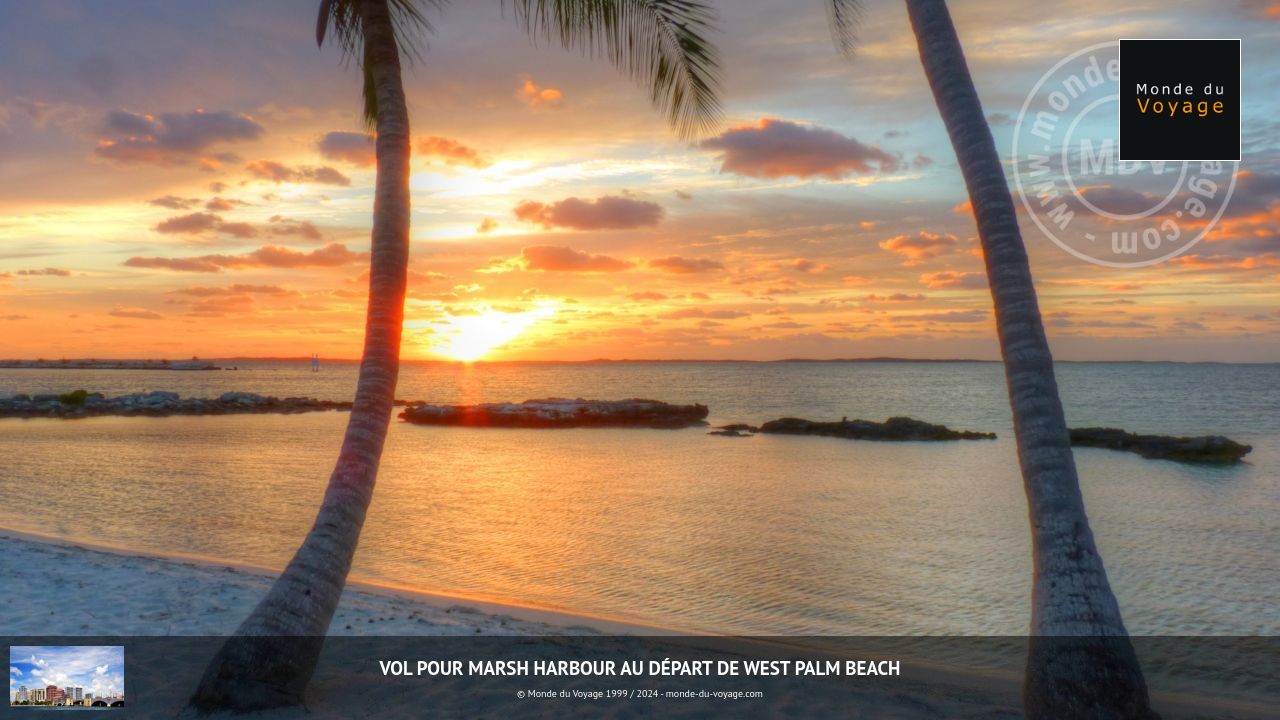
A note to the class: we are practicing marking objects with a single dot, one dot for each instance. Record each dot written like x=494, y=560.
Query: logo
x=1077, y=190
x=1180, y=99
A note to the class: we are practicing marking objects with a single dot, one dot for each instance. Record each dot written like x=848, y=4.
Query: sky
x=99, y=669
x=186, y=179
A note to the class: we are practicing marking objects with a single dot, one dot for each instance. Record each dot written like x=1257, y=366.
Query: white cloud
x=75, y=667
x=14, y=671
x=106, y=685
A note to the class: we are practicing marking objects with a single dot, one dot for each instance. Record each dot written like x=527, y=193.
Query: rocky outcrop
x=735, y=430
x=80, y=404
x=894, y=429
x=561, y=413
x=1213, y=449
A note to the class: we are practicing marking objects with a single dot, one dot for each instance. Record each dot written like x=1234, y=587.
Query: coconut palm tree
x=662, y=45
x=1080, y=662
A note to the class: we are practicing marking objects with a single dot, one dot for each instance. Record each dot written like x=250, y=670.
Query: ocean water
x=769, y=535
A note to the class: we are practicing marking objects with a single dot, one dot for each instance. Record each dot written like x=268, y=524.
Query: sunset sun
x=469, y=337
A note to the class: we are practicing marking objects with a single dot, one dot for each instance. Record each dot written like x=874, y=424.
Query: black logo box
x=1186, y=64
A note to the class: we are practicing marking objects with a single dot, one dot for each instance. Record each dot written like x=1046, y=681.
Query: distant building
x=75, y=694
x=22, y=695
x=37, y=695
x=55, y=695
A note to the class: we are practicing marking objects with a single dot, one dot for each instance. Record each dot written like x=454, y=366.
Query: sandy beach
x=190, y=596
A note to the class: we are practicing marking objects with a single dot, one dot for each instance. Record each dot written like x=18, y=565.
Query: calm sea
x=762, y=535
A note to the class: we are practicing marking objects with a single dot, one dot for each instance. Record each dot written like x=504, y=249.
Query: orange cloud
x=778, y=148
x=171, y=138
x=1253, y=211
x=1119, y=200
x=539, y=97
x=805, y=265
x=278, y=173
x=236, y=289
x=611, y=212
x=686, y=313
x=305, y=229
x=920, y=247
x=136, y=314
x=685, y=266
x=189, y=224
x=951, y=316
x=173, y=202
x=218, y=204
x=895, y=297
x=554, y=258
x=647, y=296
x=350, y=147
x=950, y=279
x=1224, y=262
x=197, y=223
x=451, y=152
x=274, y=256
x=49, y=271
x=214, y=305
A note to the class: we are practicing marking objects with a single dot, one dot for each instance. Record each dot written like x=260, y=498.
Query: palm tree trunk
x=1080, y=661
x=271, y=658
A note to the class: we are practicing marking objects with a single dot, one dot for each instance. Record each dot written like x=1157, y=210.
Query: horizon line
x=444, y=361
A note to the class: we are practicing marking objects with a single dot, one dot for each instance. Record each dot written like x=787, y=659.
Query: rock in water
x=243, y=398
x=893, y=429
x=561, y=413
x=157, y=404
x=735, y=430
x=1213, y=449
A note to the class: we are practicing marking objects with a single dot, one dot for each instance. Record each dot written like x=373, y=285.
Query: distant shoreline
x=95, y=364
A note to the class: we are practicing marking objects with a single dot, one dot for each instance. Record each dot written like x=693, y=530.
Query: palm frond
x=343, y=17
x=661, y=44
x=322, y=21
x=845, y=15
